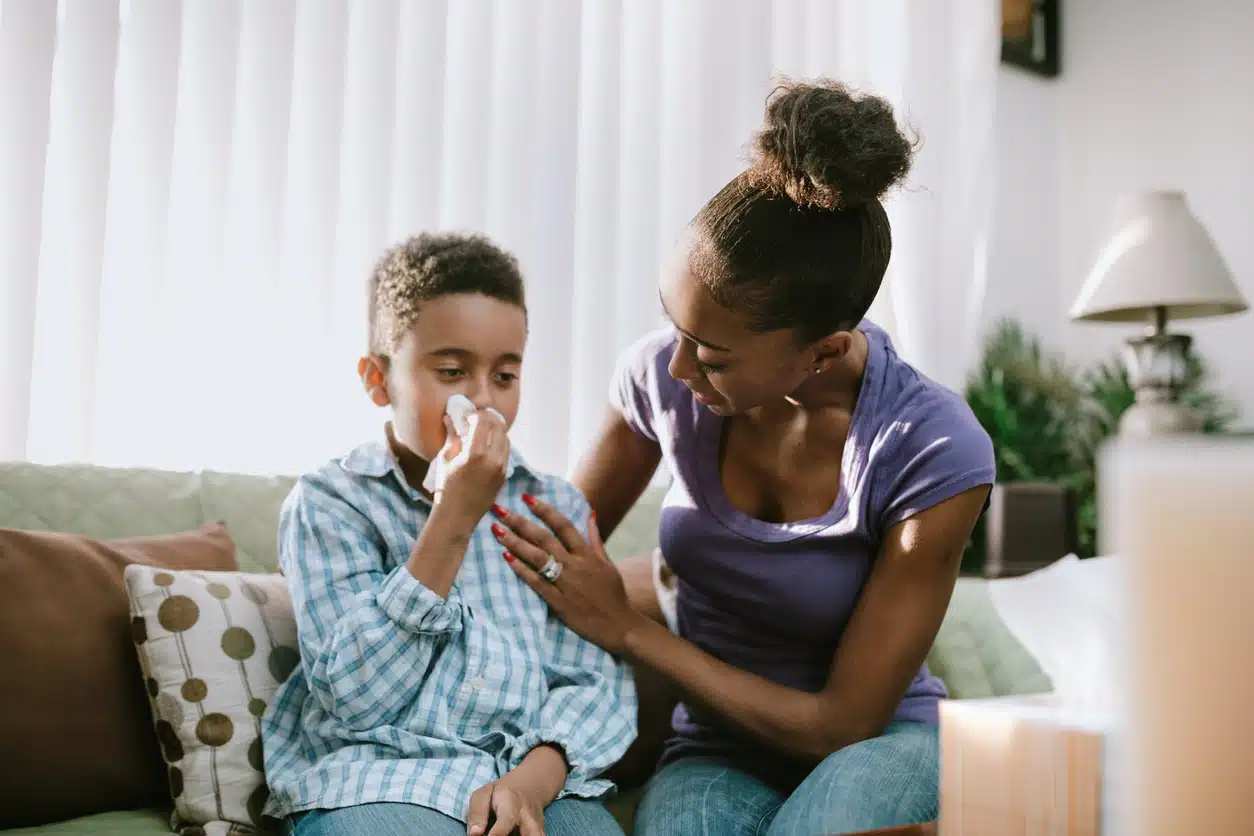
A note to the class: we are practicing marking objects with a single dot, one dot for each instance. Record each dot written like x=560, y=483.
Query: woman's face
x=464, y=343
x=728, y=367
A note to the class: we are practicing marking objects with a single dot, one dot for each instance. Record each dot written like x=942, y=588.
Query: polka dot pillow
x=213, y=648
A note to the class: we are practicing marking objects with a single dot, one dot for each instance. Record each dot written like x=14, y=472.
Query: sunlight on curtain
x=193, y=192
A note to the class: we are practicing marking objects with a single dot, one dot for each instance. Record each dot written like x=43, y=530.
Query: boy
x=435, y=693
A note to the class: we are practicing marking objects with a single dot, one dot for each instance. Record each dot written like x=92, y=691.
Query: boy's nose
x=480, y=396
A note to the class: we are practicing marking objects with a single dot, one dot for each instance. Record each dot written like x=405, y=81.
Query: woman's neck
x=835, y=389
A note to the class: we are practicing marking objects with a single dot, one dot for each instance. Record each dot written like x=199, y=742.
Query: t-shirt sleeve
x=935, y=457
x=636, y=390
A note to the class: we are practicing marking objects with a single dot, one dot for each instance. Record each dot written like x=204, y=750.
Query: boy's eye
x=451, y=374
x=506, y=378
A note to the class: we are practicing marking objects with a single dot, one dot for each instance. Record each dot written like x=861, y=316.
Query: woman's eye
x=709, y=368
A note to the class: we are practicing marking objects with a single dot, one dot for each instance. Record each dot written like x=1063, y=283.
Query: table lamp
x=1158, y=263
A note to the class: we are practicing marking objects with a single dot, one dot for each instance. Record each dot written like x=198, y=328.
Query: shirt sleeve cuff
x=946, y=490
x=417, y=609
x=578, y=784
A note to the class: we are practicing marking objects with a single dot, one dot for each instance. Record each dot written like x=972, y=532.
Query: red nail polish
x=499, y=511
x=509, y=558
x=529, y=499
x=498, y=530
x=594, y=516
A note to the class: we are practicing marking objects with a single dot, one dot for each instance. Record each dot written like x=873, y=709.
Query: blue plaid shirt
x=404, y=696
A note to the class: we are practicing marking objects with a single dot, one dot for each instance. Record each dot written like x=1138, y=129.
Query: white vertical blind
x=131, y=358
x=77, y=174
x=599, y=251
x=28, y=32
x=193, y=192
x=417, y=148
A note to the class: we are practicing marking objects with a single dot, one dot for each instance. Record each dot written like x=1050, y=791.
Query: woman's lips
x=704, y=400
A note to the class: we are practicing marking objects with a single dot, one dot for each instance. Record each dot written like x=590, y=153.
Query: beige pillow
x=214, y=648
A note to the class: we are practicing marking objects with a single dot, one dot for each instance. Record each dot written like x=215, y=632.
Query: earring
x=817, y=370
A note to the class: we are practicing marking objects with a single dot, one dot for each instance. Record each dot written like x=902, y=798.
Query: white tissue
x=1069, y=617
x=463, y=415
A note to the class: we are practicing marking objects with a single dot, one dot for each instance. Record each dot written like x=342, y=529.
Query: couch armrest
x=1030, y=525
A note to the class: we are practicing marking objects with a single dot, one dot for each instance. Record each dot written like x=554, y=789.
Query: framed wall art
x=1031, y=33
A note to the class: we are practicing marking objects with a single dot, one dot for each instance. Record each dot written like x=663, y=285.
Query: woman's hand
x=589, y=596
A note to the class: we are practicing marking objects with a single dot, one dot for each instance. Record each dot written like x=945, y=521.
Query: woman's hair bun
x=828, y=147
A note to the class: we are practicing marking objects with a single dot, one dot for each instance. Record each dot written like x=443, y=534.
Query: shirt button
x=477, y=683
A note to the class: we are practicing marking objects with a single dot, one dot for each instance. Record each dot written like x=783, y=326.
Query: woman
x=823, y=493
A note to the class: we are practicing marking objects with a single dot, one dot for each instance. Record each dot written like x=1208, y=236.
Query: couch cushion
x=75, y=730
x=106, y=502
x=976, y=655
x=637, y=533
x=99, y=502
x=124, y=823
x=250, y=505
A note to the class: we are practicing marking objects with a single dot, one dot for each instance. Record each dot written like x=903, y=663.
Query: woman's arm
x=616, y=471
x=888, y=637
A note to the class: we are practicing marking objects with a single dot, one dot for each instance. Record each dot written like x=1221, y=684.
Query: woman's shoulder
x=927, y=447
x=929, y=413
x=915, y=415
x=643, y=390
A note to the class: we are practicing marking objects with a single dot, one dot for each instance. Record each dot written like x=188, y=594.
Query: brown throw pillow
x=76, y=734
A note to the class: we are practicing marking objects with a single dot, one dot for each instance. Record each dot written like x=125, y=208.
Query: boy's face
x=464, y=343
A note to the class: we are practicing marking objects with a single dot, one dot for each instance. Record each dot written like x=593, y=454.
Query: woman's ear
x=372, y=369
x=829, y=350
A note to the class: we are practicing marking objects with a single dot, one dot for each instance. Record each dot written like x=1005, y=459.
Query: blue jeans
x=882, y=782
x=564, y=817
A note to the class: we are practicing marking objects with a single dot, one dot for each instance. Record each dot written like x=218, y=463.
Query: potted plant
x=1048, y=420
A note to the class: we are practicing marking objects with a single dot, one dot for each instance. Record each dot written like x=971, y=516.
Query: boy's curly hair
x=429, y=266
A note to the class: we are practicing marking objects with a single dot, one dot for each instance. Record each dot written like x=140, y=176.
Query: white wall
x=1023, y=258
x=1154, y=93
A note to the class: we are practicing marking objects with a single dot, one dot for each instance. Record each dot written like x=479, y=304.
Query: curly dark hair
x=800, y=239
x=429, y=266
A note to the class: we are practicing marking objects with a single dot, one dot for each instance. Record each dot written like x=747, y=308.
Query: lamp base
x=1157, y=364
x=1150, y=419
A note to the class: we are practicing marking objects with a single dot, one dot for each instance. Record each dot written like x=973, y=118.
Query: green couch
x=974, y=654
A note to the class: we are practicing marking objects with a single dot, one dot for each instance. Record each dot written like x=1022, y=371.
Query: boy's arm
x=590, y=712
x=363, y=630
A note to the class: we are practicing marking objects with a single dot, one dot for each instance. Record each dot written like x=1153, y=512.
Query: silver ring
x=552, y=570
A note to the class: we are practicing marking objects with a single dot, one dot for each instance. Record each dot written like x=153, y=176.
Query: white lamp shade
x=1158, y=256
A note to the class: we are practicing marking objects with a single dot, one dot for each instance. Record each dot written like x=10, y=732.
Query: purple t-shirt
x=774, y=599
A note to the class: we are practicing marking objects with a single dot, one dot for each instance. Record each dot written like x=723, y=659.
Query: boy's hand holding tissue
x=468, y=473
x=463, y=479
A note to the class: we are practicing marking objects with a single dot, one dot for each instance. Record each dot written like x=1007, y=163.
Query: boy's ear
x=372, y=369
